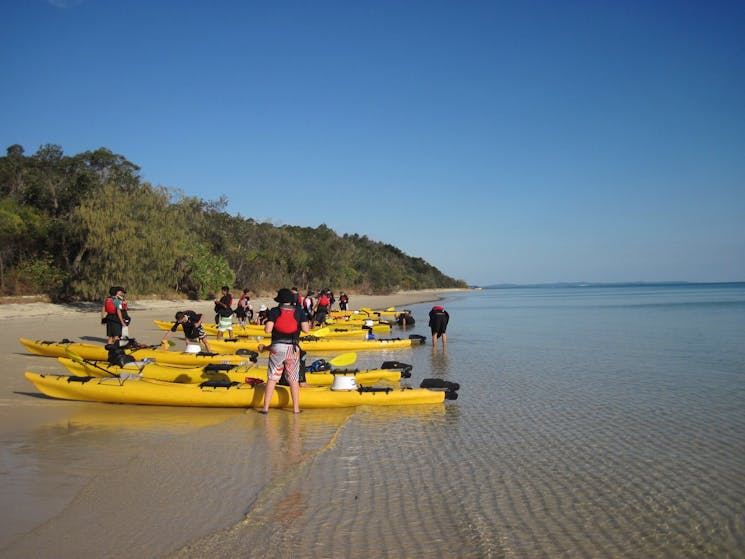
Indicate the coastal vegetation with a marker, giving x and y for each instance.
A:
(70, 226)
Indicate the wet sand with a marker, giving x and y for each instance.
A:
(92, 480)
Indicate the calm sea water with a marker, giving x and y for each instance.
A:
(592, 422)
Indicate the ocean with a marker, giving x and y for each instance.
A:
(592, 421)
(598, 421)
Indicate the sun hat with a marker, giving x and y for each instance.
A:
(284, 295)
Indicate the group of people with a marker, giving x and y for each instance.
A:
(292, 316)
(316, 305)
(284, 323)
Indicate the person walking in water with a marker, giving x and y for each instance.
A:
(438, 324)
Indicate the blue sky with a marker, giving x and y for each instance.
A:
(526, 141)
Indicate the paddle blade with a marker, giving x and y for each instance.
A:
(320, 332)
(344, 359)
(74, 356)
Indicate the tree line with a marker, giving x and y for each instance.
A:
(71, 226)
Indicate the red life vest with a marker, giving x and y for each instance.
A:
(287, 322)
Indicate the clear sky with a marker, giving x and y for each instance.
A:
(502, 141)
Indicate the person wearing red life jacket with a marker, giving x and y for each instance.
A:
(284, 322)
(322, 309)
(244, 312)
(115, 315)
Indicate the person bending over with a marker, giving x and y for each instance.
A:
(191, 322)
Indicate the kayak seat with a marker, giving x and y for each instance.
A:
(219, 384)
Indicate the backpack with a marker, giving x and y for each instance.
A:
(108, 307)
(287, 322)
(117, 355)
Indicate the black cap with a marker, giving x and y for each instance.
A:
(284, 295)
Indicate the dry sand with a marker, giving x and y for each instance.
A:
(99, 498)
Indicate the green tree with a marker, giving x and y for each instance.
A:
(21, 229)
(207, 272)
(132, 237)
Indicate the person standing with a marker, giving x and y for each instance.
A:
(438, 324)
(285, 322)
(297, 297)
(243, 310)
(224, 309)
(308, 304)
(332, 299)
(116, 316)
(322, 309)
(343, 301)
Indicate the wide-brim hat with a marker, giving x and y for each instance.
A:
(284, 295)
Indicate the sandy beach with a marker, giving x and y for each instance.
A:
(109, 496)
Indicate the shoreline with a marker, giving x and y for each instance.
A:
(56, 487)
(40, 309)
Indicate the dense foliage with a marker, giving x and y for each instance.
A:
(71, 226)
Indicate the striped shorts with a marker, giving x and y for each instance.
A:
(226, 323)
(284, 359)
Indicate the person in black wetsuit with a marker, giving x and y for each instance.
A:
(438, 324)
(405, 319)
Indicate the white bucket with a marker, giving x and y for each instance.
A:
(193, 348)
(344, 382)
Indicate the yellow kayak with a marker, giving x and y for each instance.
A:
(226, 394)
(357, 326)
(96, 352)
(392, 371)
(366, 312)
(334, 329)
(322, 344)
(330, 331)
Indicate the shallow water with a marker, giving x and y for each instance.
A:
(591, 422)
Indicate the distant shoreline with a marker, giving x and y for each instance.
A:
(614, 284)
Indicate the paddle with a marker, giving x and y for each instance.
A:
(344, 359)
(79, 359)
(320, 332)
